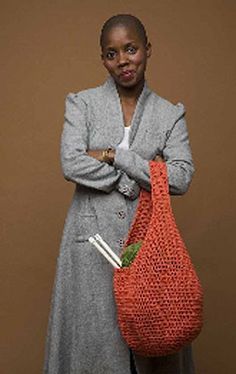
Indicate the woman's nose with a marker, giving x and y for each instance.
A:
(122, 59)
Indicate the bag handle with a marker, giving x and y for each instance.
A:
(159, 182)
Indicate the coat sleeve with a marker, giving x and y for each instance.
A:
(77, 165)
(176, 153)
(128, 187)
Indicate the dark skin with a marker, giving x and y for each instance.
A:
(125, 56)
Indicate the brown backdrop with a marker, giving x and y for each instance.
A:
(50, 49)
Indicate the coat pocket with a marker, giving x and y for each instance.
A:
(85, 226)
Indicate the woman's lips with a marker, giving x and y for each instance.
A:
(127, 75)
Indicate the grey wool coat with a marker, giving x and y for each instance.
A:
(83, 336)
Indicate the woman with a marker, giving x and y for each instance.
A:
(110, 133)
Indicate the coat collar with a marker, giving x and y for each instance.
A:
(116, 110)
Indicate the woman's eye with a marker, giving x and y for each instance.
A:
(131, 50)
(110, 55)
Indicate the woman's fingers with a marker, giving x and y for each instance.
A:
(158, 158)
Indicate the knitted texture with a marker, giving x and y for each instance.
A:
(159, 297)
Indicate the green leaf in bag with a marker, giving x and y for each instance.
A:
(129, 253)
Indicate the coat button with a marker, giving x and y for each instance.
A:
(121, 242)
(121, 214)
(124, 189)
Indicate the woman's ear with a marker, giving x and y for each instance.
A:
(149, 49)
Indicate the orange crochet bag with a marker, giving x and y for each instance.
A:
(159, 297)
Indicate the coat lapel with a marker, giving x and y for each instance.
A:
(116, 114)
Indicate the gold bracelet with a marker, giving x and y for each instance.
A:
(106, 156)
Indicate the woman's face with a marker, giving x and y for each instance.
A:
(125, 56)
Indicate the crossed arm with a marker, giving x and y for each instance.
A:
(129, 171)
(98, 155)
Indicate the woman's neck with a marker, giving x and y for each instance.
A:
(130, 94)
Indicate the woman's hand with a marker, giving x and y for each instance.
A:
(159, 158)
(99, 155)
(96, 154)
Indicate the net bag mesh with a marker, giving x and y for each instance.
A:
(159, 297)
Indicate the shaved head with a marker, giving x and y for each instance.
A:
(123, 20)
